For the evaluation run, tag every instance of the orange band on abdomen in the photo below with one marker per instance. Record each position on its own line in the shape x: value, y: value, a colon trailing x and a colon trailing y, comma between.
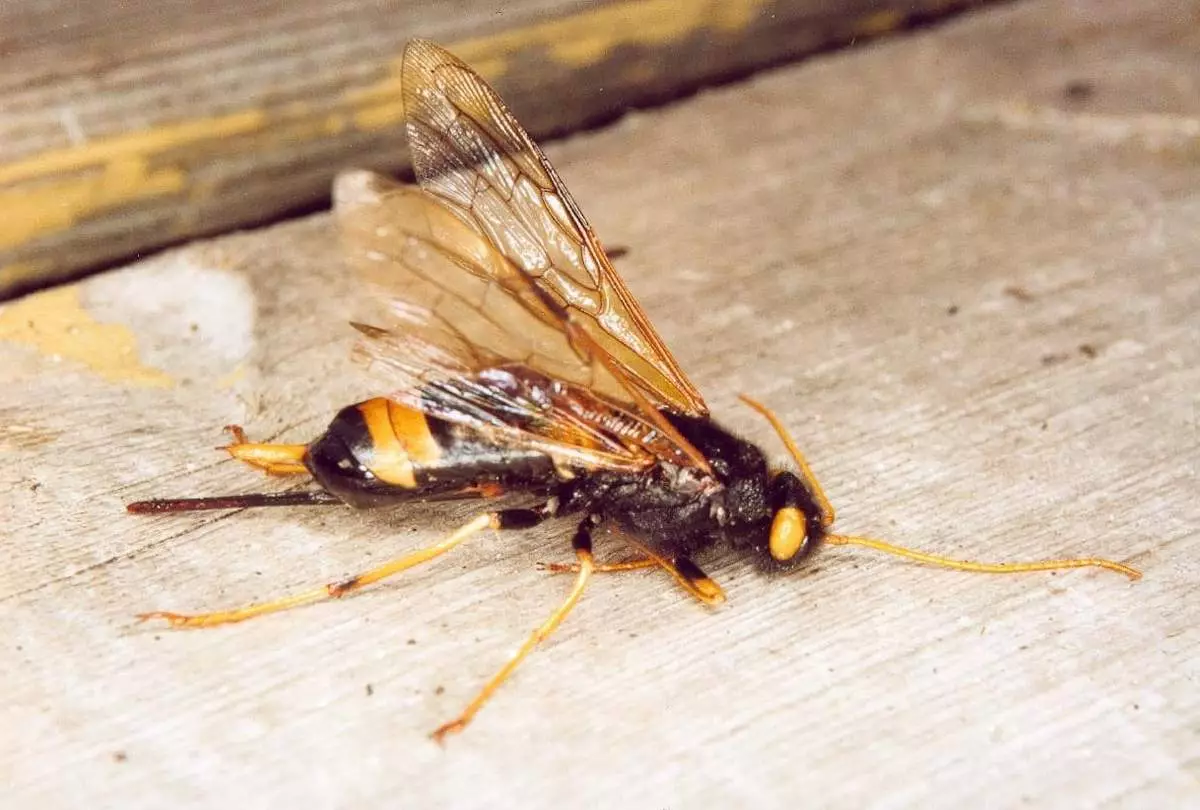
x: 401, y: 441
x: 412, y: 429
x: 389, y: 459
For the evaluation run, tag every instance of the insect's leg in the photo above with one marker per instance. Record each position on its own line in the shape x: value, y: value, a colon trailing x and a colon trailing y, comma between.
x: 693, y: 579
x: 689, y: 575
x: 504, y: 519
x: 600, y: 568
x: 274, y: 459
x: 582, y: 543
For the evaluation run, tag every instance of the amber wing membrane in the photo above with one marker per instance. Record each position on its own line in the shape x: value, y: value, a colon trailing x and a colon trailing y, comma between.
x: 462, y: 335
x: 440, y: 279
x: 473, y: 156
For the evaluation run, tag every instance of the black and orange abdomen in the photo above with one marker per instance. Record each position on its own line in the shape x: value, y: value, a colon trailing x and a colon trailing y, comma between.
x: 379, y: 451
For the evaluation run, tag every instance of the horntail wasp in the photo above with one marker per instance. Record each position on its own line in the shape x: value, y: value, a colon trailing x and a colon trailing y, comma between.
x: 518, y: 363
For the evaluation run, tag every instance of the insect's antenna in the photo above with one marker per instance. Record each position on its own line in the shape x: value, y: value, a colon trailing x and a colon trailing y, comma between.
x: 912, y: 554
x: 983, y: 568
x: 306, y: 498
x: 814, y: 486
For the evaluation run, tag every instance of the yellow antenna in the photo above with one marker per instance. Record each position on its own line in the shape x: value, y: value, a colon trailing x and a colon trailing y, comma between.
x: 827, y: 512
x: 912, y: 554
x: 982, y: 568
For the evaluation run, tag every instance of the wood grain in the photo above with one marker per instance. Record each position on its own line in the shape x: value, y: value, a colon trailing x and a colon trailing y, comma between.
x: 967, y: 284
x: 125, y: 128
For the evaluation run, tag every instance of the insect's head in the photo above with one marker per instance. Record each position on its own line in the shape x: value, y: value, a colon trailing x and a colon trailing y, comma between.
x: 800, y: 514
x: 780, y: 524
x: 797, y: 521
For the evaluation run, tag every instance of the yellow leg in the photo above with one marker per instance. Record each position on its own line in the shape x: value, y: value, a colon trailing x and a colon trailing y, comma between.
x: 274, y: 459
x: 333, y: 590
x: 583, y: 551
x: 685, y: 572
x: 984, y: 568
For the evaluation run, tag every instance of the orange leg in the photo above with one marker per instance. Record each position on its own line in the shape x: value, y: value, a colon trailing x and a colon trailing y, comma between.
x: 689, y: 575
x: 333, y: 590
x: 583, y: 550
x: 600, y: 568
x: 503, y: 519
x: 274, y: 459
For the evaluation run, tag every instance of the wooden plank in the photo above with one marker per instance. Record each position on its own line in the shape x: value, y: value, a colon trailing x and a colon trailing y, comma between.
x: 124, y: 129
x: 969, y: 287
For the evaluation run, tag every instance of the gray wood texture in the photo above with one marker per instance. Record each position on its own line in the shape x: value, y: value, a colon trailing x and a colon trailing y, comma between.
x: 961, y: 265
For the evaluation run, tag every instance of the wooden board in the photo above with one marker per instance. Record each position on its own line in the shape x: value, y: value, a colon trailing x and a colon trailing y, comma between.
x: 126, y: 128
x: 962, y: 267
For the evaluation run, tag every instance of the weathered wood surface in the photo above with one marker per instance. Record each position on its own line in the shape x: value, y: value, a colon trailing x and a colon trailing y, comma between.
x: 125, y: 128
x: 961, y: 265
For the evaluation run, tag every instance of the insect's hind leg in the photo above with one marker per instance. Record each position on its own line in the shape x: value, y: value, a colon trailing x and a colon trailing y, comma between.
x: 273, y: 459
x: 503, y: 519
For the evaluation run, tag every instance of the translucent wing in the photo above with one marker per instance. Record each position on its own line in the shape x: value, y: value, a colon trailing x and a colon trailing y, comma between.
x: 471, y: 154
x: 464, y: 335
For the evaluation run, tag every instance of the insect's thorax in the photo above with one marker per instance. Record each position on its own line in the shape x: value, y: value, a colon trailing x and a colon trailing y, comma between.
x: 677, y: 510
x: 380, y: 451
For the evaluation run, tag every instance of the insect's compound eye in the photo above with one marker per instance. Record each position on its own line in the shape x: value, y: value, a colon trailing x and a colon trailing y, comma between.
x: 789, y: 533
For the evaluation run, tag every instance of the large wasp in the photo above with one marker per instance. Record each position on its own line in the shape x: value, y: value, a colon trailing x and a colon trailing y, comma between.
x: 516, y: 362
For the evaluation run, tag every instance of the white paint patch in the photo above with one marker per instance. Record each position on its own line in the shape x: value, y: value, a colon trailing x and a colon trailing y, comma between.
x: 186, y: 316
x: 70, y: 124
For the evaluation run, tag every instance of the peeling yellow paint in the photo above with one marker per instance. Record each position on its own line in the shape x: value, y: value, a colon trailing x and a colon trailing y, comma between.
x: 18, y: 273
x: 53, y: 190
x: 58, y: 189
x: 585, y: 38
x: 57, y: 204
x: 56, y: 324
x: 879, y: 23
x: 131, y: 145
x: 575, y: 41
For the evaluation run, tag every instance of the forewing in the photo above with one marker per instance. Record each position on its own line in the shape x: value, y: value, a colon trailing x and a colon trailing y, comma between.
x: 436, y: 276
x: 469, y: 151
x: 459, y: 333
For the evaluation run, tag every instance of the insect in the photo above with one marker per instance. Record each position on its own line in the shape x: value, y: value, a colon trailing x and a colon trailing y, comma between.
x: 517, y: 363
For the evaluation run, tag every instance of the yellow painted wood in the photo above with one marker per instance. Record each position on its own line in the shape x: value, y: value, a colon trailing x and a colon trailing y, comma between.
x: 56, y: 325
x: 272, y: 141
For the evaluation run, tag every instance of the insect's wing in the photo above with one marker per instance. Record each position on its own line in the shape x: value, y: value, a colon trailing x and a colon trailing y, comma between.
x: 417, y: 255
x: 469, y: 151
x: 460, y: 334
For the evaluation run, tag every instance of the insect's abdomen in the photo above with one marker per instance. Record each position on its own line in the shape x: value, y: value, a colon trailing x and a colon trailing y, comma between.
x: 380, y: 450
